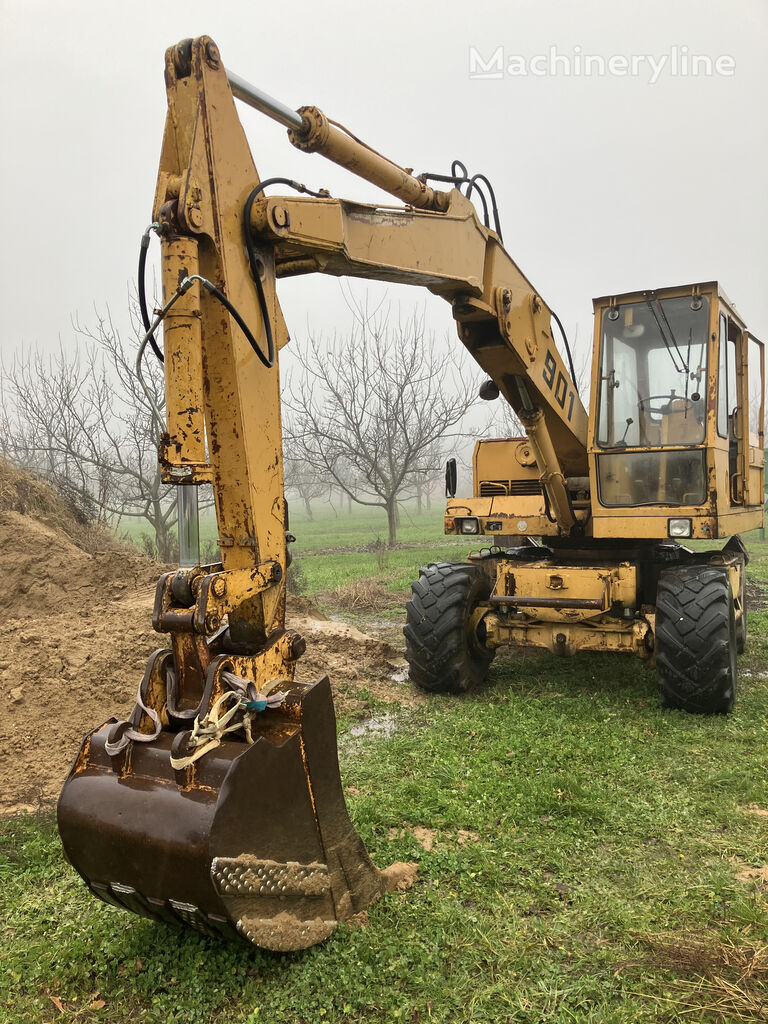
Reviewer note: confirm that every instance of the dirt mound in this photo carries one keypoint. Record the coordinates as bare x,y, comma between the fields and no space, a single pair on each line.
77,637
30,495
44,571
361,667
304,606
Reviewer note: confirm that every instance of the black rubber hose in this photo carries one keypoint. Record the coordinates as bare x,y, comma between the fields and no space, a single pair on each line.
459,170
556,318
269,360
460,176
473,184
547,508
142,292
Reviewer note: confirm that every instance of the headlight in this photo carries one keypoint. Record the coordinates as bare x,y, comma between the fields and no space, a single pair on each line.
679,527
469,525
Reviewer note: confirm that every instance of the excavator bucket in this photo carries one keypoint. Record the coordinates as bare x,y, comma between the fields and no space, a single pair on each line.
251,840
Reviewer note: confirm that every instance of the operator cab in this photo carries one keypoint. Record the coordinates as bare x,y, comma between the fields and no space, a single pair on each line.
676,424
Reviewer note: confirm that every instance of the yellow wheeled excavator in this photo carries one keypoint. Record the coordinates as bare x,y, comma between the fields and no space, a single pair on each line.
583,517
218,803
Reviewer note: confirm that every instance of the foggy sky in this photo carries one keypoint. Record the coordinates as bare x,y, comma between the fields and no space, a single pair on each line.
605,183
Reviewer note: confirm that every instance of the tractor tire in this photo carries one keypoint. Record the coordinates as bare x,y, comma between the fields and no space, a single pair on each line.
442,655
696,640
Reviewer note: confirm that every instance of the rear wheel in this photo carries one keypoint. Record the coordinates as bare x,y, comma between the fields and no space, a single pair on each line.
696,639
442,652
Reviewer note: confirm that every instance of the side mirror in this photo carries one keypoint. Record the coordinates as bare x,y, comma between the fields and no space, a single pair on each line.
488,391
450,478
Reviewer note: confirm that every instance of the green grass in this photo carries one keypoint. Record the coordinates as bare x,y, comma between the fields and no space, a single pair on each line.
332,525
600,820
420,539
325,567
339,527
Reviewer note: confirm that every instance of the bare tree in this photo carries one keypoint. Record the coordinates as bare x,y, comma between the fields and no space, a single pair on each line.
369,410
303,479
425,478
86,424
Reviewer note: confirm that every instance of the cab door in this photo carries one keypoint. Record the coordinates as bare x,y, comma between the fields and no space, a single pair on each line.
755,419
732,405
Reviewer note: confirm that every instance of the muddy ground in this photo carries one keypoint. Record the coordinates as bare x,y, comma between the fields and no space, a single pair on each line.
77,633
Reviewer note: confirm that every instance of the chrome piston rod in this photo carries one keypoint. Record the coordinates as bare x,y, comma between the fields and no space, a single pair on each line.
259,100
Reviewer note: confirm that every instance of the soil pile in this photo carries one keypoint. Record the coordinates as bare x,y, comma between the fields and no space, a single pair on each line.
77,634
24,492
362,668
30,495
43,571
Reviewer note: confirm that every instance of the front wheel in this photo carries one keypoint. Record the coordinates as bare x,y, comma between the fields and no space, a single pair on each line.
441,650
696,639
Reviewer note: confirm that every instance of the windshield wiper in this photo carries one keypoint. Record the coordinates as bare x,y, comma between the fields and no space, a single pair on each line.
649,302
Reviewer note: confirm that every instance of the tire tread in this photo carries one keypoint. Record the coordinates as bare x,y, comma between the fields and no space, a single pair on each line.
436,646
694,636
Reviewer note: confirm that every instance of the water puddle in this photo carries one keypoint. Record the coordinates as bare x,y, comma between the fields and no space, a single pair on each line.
378,726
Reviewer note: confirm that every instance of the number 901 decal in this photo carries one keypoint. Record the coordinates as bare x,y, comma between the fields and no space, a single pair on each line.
559,387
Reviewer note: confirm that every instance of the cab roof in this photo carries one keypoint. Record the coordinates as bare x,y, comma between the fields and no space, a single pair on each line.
705,287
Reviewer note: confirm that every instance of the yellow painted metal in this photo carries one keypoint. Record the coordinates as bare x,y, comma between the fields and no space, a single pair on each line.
518,515
504,465
606,635
217,593
732,502
206,173
565,593
321,135
183,455
755,454
718,516
501,319
552,480
438,242
443,252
